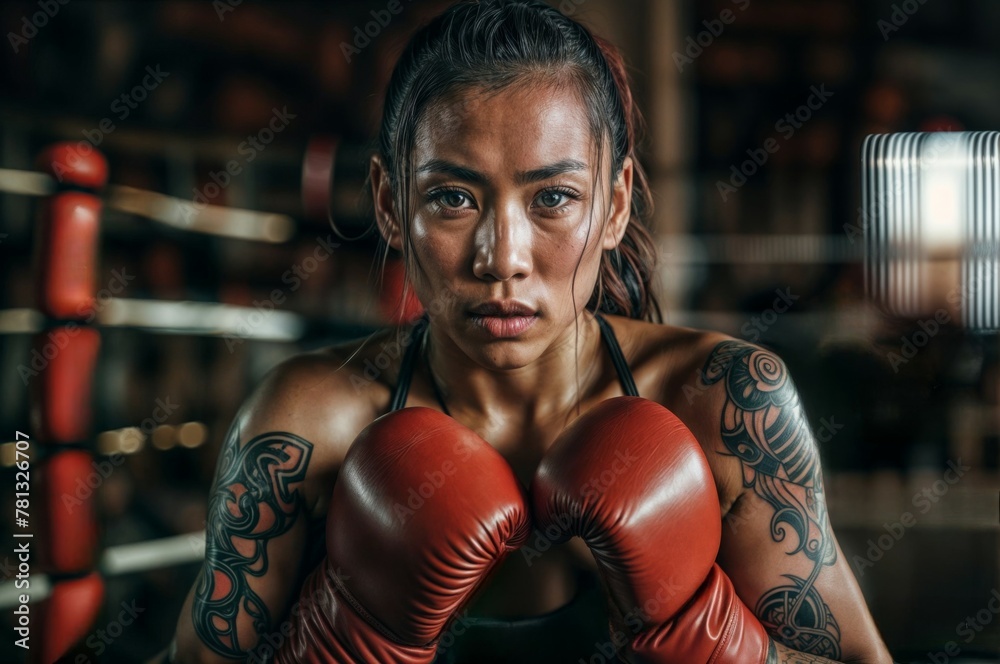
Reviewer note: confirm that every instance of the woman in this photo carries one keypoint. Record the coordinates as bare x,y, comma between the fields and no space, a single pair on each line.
506,177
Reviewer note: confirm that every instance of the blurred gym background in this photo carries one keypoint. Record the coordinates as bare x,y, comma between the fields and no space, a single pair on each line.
755,124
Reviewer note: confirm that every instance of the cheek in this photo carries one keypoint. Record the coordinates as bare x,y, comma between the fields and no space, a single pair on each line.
560,255
439,255
570,271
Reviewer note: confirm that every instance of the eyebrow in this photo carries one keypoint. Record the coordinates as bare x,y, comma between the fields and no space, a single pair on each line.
522,177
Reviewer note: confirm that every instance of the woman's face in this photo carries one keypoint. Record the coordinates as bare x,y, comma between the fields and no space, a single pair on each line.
504,248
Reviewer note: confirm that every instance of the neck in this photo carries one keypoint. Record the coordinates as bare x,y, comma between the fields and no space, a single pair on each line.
550,386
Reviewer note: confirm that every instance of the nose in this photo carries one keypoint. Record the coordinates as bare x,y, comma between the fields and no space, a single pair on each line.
503,246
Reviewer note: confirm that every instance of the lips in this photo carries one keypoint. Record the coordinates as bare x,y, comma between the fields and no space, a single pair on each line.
503,308
503,319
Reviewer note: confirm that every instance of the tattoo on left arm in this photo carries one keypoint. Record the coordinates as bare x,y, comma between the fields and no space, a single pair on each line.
764,426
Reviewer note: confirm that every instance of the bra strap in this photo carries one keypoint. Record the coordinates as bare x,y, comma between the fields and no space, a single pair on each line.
402,389
617,357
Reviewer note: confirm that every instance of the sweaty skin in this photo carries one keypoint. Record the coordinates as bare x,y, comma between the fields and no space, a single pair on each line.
502,210
509,204
502,219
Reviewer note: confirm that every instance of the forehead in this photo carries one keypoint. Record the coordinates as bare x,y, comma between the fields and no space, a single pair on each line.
525,124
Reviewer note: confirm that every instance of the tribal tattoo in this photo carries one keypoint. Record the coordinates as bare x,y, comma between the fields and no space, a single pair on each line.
786,656
252,501
802,658
764,425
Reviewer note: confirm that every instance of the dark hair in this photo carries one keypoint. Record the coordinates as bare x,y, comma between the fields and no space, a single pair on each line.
491,44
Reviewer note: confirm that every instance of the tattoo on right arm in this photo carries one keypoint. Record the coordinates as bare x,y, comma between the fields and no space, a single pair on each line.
251,502
780,654
764,425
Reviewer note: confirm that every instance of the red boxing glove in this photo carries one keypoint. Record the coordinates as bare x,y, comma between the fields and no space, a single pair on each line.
631,480
423,511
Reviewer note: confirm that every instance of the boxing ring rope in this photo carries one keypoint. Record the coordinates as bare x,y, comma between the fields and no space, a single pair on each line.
186,215
69,579
184,317
120,560
69,222
67,583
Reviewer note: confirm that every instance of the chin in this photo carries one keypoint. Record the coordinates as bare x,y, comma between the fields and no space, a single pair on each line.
504,359
501,354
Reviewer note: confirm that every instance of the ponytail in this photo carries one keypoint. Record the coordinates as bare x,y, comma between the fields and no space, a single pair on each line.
624,285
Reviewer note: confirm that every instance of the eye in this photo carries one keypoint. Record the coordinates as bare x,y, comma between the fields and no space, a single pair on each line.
452,198
449,199
554,198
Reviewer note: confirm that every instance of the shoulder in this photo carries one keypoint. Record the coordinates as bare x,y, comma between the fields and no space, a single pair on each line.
713,369
323,399
716,384
667,360
677,366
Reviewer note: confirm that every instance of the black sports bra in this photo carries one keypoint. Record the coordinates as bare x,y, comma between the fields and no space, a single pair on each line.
419,330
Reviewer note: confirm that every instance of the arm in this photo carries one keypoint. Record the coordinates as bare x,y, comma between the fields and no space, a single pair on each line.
274,457
777,544
254,539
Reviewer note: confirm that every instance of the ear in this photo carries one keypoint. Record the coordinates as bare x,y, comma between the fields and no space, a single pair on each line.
385,210
621,207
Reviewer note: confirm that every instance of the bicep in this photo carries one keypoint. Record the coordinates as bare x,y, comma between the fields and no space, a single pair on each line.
777,544
255,534
807,599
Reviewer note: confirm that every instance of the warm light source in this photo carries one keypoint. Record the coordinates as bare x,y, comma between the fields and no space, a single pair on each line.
931,207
